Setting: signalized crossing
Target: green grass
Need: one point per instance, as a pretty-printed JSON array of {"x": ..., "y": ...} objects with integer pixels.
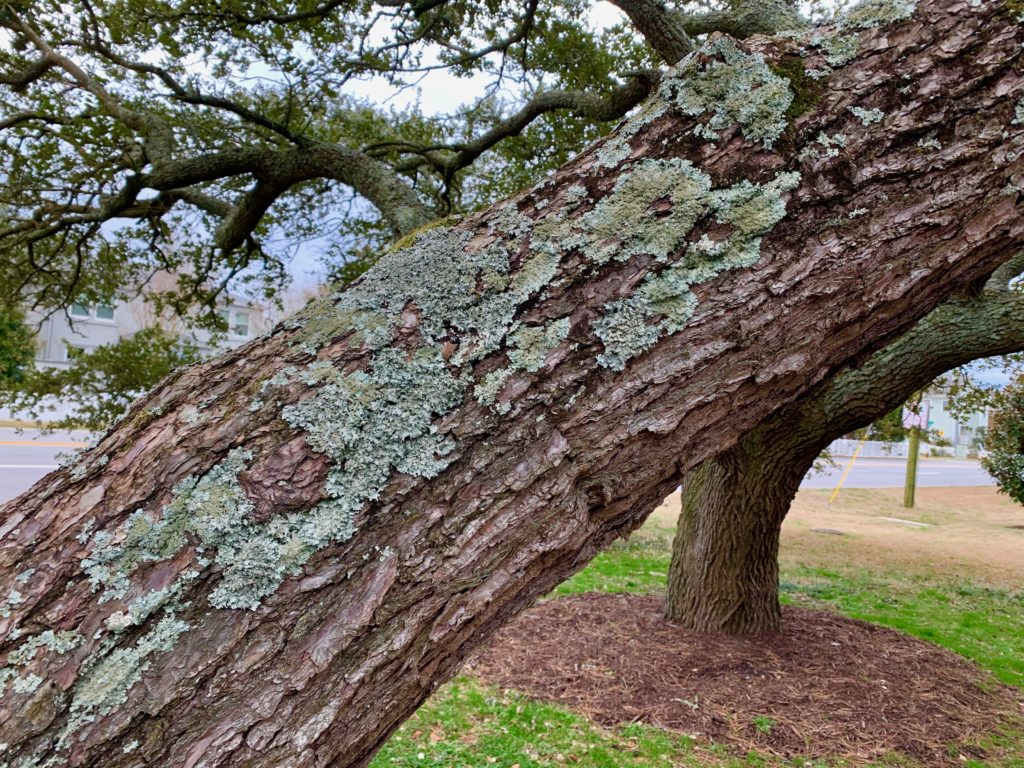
[
  {"x": 466, "y": 724},
  {"x": 638, "y": 566},
  {"x": 986, "y": 625}
]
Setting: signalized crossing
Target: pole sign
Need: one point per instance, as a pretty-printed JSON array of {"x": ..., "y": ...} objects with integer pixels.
[{"x": 918, "y": 418}]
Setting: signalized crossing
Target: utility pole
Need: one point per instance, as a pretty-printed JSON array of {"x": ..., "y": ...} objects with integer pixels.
[
  {"x": 910, "y": 485},
  {"x": 915, "y": 418}
]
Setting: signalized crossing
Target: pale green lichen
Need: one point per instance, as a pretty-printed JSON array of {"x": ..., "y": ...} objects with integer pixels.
[
  {"x": 751, "y": 210},
  {"x": 624, "y": 224},
  {"x": 106, "y": 684},
  {"x": 61, "y": 641},
  {"x": 55, "y": 641},
  {"x": 874, "y": 13},
  {"x": 612, "y": 153},
  {"x": 867, "y": 116},
  {"x": 736, "y": 88},
  {"x": 528, "y": 348},
  {"x": 839, "y": 48},
  {"x": 215, "y": 513},
  {"x": 1018, "y": 113},
  {"x": 27, "y": 683},
  {"x": 929, "y": 143},
  {"x": 370, "y": 423},
  {"x": 831, "y": 145},
  {"x": 531, "y": 345},
  {"x": 14, "y": 597}
]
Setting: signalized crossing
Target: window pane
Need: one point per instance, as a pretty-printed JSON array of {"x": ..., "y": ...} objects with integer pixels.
[
  {"x": 241, "y": 327},
  {"x": 104, "y": 312},
  {"x": 79, "y": 310}
]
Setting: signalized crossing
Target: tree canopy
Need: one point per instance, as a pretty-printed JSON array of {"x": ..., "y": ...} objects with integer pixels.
[
  {"x": 1005, "y": 442},
  {"x": 98, "y": 385},
  {"x": 210, "y": 138},
  {"x": 17, "y": 347}
]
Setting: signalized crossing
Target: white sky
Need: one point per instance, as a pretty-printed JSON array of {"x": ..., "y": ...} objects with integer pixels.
[{"x": 440, "y": 92}]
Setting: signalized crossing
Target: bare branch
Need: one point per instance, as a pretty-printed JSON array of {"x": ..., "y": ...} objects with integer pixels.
[
  {"x": 19, "y": 81},
  {"x": 611, "y": 107}
]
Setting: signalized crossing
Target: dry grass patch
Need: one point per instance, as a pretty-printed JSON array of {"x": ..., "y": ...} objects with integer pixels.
[{"x": 970, "y": 534}]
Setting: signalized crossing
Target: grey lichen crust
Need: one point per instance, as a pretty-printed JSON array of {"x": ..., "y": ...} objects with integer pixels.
[
  {"x": 528, "y": 349},
  {"x": 14, "y": 670},
  {"x": 736, "y": 88},
  {"x": 626, "y": 328},
  {"x": 867, "y": 116},
  {"x": 874, "y": 13},
  {"x": 840, "y": 45}
]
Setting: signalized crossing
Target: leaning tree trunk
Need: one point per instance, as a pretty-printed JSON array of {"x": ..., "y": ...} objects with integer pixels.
[
  {"x": 279, "y": 554},
  {"x": 724, "y": 574}
]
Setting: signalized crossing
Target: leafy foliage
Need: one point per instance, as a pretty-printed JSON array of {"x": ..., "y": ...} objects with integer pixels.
[
  {"x": 213, "y": 139},
  {"x": 17, "y": 347},
  {"x": 99, "y": 385},
  {"x": 1005, "y": 442},
  {"x": 888, "y": 429}
]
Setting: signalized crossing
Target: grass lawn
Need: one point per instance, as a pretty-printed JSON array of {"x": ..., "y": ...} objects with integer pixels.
[{"x": 952, "y": 584}]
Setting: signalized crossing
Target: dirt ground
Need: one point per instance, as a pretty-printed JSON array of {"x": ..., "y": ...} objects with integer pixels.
[
  {"x": 827, "y": 686},
  {"x": 976, "y": 533}
]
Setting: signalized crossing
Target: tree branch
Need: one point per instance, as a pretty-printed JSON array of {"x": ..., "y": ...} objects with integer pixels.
[
  {"x": 1010, "y": 270},
  {"x": 660, "y": 26}
]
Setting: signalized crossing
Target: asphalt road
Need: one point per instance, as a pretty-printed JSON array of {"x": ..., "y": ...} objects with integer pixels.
[
  {"x": 27, "y": 455},
  {"x": 890, "y": 473}
]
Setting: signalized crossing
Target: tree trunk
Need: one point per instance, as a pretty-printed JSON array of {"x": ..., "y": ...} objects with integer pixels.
[
  {"x": 280, "y": 553},
  {"x": 724, "y": 571},
  {"x": 724, "y": 574}
]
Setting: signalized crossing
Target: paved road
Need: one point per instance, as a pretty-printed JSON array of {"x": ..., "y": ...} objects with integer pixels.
[
  {"x": 890, "y": 473},
  {"x": 27, "y": 455}
]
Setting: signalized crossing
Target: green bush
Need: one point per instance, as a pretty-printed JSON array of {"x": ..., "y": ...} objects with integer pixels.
[
  {"x": 100, "y": 384},
  {"x": 17, "y": 348},
  {"x": 1005, "y": 442}
]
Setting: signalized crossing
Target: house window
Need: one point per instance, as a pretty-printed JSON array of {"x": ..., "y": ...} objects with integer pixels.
[
  {"x": 72, "y": 352},
  {"x": 241, "y": 324},
  {"x": 95, "y": 312},
  {"x": 236, "y": 322}
]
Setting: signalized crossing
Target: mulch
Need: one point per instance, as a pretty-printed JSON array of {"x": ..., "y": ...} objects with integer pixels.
[{"x": 828, "y": 686}]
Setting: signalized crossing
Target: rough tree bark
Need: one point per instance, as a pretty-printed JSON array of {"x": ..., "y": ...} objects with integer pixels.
[
  {"x": 724, "y": 574},
  {"x": 279, "y": 554}
]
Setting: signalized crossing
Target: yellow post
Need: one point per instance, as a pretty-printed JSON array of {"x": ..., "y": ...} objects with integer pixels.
[{"x": 846, "y": 471}]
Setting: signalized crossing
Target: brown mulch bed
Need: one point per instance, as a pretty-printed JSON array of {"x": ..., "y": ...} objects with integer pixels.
[{"x": 829, "y": 685}]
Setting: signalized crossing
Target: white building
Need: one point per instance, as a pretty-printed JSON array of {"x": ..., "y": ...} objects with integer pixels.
[
  {"x": 86, "y": 327},
  {"x": 963, "y": 435}
]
